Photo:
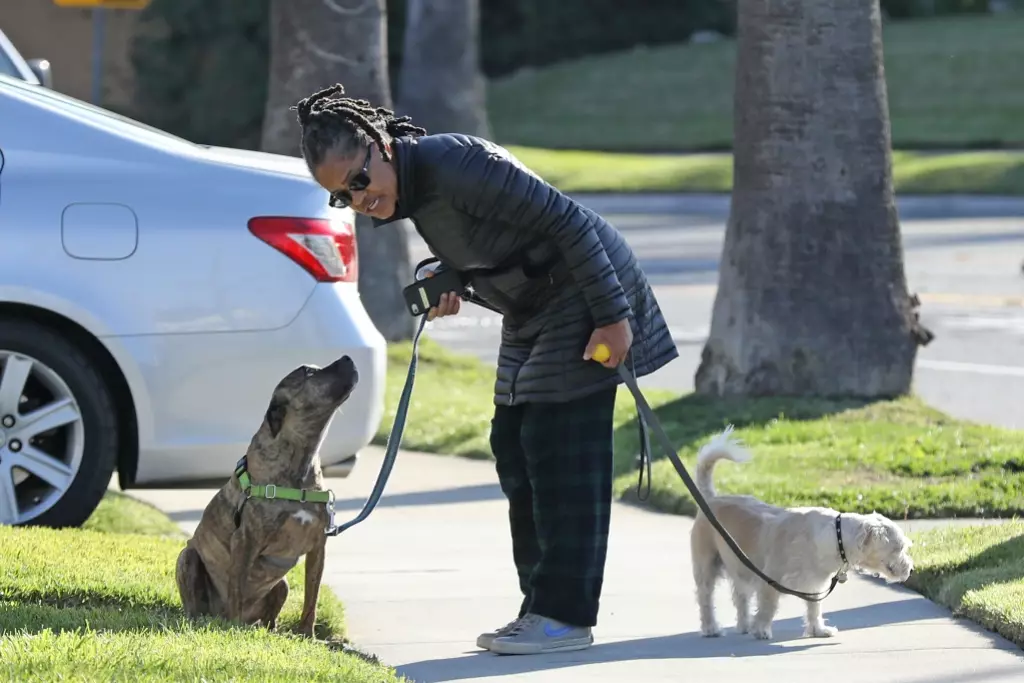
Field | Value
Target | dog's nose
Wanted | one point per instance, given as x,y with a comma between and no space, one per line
344,364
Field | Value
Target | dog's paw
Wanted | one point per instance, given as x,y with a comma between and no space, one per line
742,627
761,632
710,630
821,631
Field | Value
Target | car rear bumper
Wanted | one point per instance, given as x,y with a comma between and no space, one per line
208,392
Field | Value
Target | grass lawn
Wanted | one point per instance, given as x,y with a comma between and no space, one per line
978,572
953,83
576,171
100,604
900,458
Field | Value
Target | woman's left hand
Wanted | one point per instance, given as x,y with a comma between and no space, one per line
618,337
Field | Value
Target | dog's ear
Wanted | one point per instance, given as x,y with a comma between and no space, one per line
275,415
870,532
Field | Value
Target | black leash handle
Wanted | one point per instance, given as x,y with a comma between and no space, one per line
394,442
650,422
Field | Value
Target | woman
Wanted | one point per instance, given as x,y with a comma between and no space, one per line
565,281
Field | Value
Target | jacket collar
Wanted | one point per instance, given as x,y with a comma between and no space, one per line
403,150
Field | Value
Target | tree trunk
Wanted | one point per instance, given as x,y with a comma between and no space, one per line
440,84
314,44
812,297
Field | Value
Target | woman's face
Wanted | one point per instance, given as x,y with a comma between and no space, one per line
364,181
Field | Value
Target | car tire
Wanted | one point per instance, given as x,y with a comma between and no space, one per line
87,446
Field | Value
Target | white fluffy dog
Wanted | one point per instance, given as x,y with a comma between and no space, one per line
800,548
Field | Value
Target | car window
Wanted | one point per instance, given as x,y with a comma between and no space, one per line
7,66
12,63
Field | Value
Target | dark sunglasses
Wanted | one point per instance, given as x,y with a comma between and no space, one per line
342,199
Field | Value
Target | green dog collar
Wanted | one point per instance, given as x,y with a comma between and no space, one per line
272,492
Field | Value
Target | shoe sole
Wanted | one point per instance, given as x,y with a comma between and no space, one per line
524,649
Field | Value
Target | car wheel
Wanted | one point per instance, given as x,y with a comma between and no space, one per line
58,429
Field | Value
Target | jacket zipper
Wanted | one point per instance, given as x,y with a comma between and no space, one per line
512,389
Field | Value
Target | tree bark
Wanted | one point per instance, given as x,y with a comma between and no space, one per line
314,44
812,296
440,84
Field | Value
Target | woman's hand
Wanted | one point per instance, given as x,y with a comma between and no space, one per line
448,305
618,337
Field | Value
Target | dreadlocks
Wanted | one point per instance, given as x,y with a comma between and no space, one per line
343,124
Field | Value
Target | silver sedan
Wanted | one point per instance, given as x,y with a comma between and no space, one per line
152,293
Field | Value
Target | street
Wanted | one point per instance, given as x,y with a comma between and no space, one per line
962,261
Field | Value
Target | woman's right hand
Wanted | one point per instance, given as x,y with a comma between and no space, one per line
448,305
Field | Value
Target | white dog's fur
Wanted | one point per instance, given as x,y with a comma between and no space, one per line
797,547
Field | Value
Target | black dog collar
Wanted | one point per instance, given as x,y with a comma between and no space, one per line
842,549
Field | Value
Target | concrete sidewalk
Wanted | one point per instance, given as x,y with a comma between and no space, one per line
432,568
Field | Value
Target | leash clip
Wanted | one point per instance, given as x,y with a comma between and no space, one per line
332,528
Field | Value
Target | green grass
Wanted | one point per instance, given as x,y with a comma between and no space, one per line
900,458
121,514
578,171
100,604
953,83
977,571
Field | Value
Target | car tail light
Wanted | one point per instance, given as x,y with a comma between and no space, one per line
326,249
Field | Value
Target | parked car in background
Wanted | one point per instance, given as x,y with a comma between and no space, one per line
35,71
153,292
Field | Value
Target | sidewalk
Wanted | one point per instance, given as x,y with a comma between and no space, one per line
431,568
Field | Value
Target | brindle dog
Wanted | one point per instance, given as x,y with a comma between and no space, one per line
237,570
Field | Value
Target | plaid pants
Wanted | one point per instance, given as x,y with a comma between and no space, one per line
554,463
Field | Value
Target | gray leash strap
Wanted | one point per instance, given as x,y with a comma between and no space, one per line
649,423
394,443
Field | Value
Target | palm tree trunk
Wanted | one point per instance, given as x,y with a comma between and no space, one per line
812,297
314,44
441,86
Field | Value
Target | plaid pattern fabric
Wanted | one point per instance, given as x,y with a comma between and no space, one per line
554,463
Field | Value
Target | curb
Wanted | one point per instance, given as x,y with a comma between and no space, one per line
717,205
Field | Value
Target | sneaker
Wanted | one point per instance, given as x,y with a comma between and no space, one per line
484,640
534,635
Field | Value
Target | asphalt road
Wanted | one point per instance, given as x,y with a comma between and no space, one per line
963,262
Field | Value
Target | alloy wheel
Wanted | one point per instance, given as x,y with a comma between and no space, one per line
42,437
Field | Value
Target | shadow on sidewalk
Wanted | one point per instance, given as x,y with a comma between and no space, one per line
680,646
453,496
461,494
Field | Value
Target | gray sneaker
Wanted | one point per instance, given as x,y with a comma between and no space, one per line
484,640
534,635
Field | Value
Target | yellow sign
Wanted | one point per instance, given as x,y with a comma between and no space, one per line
103,4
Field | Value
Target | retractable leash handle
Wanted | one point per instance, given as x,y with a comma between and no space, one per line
601,354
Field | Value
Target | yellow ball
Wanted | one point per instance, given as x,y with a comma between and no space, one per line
601,353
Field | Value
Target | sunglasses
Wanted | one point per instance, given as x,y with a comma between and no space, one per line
342,199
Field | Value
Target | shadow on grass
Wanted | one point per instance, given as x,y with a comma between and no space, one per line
690,420
947,584
82,613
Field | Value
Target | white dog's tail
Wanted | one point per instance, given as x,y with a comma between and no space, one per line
721,447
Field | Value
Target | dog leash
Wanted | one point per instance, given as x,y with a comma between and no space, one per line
391,450
653,424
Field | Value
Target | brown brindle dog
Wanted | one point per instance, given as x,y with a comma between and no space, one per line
234,566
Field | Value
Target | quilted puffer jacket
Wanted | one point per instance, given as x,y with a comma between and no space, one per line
553,268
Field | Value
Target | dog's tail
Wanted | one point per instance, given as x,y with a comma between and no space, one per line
721,447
